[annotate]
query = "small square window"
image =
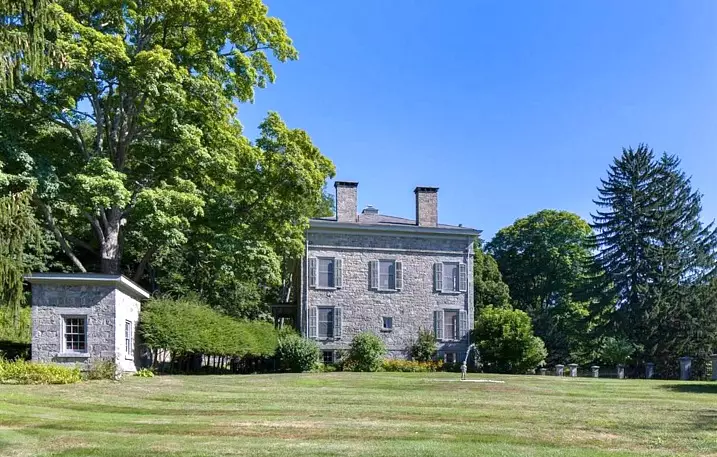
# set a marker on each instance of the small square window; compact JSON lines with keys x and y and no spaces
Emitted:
{"x":450,"y":357}
{"x":328,"y":357}
{"x":387,"y":323}
{"x":75,"y":334}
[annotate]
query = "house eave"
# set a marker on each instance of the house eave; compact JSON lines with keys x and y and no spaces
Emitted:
{"x":120,"y":282}
{"x":323,"y":225}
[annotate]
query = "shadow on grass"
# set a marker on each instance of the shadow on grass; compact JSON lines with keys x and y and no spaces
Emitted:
{"x":697,"y":388}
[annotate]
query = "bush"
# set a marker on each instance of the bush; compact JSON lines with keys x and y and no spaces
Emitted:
{"x":505,"y":340}
{"x":366,"y":353}
{"x":188,"y":326}
{"x":104,"y":369}
{"x":424,"y":349}
{"x":297,"y":354}
{"x":22,"y":372}
{"x":410,"y":366}
{"x":144,"y":373}
{"x":617,"y":351}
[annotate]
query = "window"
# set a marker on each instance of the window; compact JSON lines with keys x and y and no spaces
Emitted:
{"x":326,"y":273}
{"x":326,"y":322}
{"x":450,"y":357}
{"x":75,"y":334}
{"x":128,"y":339}
{"x":387,"y":274}
{"x":450,"y":322}
{"x":450,"y":277}
{"x":328,"y":357}
{"x":387,"y":323}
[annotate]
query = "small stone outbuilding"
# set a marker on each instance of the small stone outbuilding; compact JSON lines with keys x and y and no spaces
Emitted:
{"x":85,"y":318}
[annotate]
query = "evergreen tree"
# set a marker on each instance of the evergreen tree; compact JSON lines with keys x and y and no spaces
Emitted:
{"x":656,"y":252}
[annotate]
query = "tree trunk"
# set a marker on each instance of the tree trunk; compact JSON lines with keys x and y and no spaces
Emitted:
{"x":110,"y":253}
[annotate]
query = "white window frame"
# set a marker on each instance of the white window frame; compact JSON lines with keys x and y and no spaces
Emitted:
{"x":331,"y":334}
{"x":63,"y":339}
{"x":333,"y":357}
{"x":392,"y":263}
{"x":455,"y":282}
{"x":453,"y":356}
{"x":457,"y":327}
{"x":332,"y":284}
{"x":128,"y":339}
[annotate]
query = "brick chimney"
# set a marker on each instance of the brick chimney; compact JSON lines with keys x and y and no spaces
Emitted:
{"x":426,"y":206}
{"x":346,"y":200}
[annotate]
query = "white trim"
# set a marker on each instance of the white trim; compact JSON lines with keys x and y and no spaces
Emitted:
{"x":327,"y":247}
{"x":120,"y":282}
{"x":419,"y":230}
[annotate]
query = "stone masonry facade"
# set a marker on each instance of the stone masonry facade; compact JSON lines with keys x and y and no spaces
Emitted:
{"x":108,"y":314}
{"x":363,"y":307}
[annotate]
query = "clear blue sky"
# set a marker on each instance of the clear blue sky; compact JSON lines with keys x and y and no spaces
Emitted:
{"x":508,"y":107}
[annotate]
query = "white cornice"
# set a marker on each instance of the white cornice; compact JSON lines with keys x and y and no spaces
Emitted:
{"x":89,"y":279}
{"x":333,"y":226}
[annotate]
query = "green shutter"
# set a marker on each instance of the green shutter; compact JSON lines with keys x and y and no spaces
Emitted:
{"x":438,"y":324}
{"x":373,"y":274}
{"x":462,"y":278}
{"x":462,"y":324}
{"x":312,"y":271}
{"x":399,"y":275}
{"x":313,"y":322}
{"x":338,"y":321}
{"x":438,"y":276}
{"x":339,"y":273}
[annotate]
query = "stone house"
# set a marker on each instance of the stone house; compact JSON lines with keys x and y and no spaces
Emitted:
{"x":85,"y":318}
{"x":388,"y":275}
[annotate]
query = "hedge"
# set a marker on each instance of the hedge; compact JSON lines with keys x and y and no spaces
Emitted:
{"x":188,"y":326}
{"x":22,"y":372}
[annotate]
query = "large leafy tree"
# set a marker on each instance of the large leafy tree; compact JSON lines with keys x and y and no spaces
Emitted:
{"x":489,"y":288}
{"x":545,"y":260}
{"x":657,"y":253}
{"x":135,"y":146}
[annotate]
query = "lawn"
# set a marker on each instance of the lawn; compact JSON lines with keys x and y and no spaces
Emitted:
{"x":350,"y":414}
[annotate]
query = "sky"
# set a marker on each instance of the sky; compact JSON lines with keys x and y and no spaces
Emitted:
{"x":509,"y":107}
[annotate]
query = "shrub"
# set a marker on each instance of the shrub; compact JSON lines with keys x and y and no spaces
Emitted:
{"x":410,"y":366}
{"x":297,"y":354}
{"x":15,"y":329}
{"x":366,"y":352}
{"x":144,"y":373}
{"x":104,"y":369}
{"x":424,"y":349}
{"x":22,"y":372}
{"x":505,"y":340}
{"x":188,"y":326}
{"x":617,"y":351}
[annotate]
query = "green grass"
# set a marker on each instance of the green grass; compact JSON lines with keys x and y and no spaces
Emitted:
{"x":351,"y":414}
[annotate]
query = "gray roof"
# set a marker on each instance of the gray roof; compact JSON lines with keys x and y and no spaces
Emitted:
{"x":381,"y":220}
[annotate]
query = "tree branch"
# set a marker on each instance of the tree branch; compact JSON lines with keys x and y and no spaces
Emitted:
{"x":143,"y":264}
{"x":59,"y":236}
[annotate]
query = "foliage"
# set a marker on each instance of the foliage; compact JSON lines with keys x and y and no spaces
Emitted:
{"x":410,"y":366}
{"x":23,"y":372}
{"x":489,"y":288}
{"x":616,"y":351}
{"x":138,"y":158}
{"x":366,"y":352}
{"x":18,"y":229}
{"x":504,"y":338}
{"x":657,"y":254}
{"x":424,"y":348}
{"x":102,"y":369}
{"x":297,"y":354}
{"x":545,"y":259}
{"x":144,"y":373}
{"x":14,"y":327}
{"x":187,"y":326}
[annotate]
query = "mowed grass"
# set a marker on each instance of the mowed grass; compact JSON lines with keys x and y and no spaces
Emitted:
{"x":357,"y":414}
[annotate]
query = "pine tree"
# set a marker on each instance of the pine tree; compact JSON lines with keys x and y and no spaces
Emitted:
{"x":655,"y":252}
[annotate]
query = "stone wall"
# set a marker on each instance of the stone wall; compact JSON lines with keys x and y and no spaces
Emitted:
{"x":411,"y":308}
{"x":51,"y":303}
